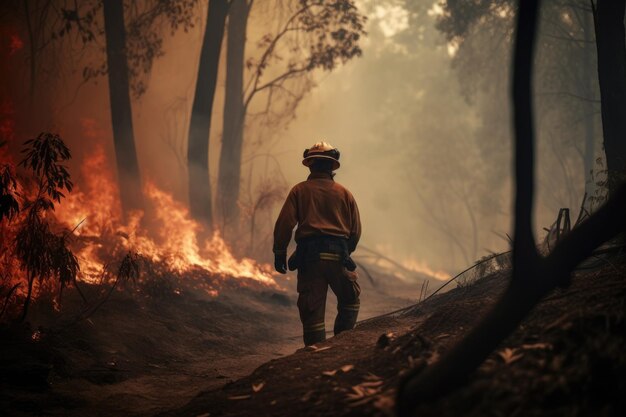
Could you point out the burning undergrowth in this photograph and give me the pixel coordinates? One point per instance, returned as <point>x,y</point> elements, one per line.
<point>55,234</point>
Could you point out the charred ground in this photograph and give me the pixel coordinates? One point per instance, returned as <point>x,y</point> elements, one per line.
<point>148,349</point>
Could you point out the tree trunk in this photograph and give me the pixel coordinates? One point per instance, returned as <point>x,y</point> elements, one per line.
<point>609,23</point>
<point>121,112</point>
<point>229,176</point>
<point>33,51</point>
<point>200,125</point>
<point>533,276</point>
<point>589,91</point>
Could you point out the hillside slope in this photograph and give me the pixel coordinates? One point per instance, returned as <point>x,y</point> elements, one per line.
<point>143,352</point>
<point>567,358</point>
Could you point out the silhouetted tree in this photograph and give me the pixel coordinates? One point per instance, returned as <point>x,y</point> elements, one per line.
<point>234,109</point>
<point>533,276</point>
<point>316,34</point>
<point>609,23</point>
<point>119,101</point>
<point>200,202</point>
<point>42,253</point>
<point>133,35</point>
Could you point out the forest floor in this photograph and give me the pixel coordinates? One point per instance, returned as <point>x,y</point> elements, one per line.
<point>188,356</point>
<point>140,355</point>
<point>568,358</point>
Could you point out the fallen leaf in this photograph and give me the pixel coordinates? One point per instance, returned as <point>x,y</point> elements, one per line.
<point>537,346</point>
<point>385,402</point>
<point>433,358</point>
<point>364,392</point>
<point>371,384</point>
<point>361,401</point>
<point>329,373</point>
<point>347,368</point>
<point>322,349</point>
<point>239,397</point>
<point>357,391</point>
<point>509,355</point>
<point>258,387</point>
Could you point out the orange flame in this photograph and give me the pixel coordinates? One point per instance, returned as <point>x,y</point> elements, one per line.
<point>172,238</point>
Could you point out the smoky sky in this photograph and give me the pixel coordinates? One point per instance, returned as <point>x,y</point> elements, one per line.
<point>431,178</point>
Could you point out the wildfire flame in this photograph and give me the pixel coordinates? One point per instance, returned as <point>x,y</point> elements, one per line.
<point>172,238</point>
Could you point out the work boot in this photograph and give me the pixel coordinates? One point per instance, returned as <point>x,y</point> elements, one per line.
<point>346,317</point>
<point>315,333</point>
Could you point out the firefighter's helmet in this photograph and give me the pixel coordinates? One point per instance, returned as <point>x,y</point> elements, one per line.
<point>321,150</point>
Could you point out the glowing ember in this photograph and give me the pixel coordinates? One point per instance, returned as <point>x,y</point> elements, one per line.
<point>15,44</point>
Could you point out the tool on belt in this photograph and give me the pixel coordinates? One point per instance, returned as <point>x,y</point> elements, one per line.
<point>330,248</point>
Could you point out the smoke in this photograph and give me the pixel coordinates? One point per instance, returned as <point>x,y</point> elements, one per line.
<point>408,144</point>
<point>424,130</point>
<point>430,174</point>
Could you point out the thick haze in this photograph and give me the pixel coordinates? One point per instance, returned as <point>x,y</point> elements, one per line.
<point>413,144</point>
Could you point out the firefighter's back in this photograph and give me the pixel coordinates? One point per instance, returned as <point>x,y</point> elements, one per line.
<point>324,207</point>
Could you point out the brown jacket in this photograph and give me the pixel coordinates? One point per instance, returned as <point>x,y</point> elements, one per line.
<point>320,207</point>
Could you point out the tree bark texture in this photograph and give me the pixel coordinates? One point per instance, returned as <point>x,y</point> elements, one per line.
<point>121,111</point>
<point>533,276</point>
<point>609,22</point>
<point>229,177</point>
<point>200,202</point>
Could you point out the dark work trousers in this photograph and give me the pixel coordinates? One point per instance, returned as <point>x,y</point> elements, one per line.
<point>314,277</point>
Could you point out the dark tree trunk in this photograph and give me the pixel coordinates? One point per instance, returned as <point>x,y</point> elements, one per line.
<point>533,276</point>
<point>33,51</point>
<point>229,176</point>
<point>121,112</point>
<point>589,91</point>
<point>200,125</point>
<point>609,22</point>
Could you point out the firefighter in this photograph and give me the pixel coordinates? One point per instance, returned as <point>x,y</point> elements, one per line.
<point>328,231</point>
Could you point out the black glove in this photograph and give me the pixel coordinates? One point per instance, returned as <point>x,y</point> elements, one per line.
<point>349,263</point>
<point>280,263</point>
